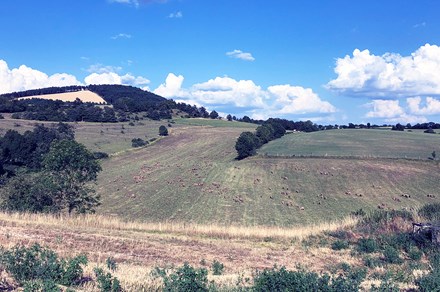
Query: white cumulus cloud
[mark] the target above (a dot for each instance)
(24, 78)
(390, 75)
(384, 109)
(172, 87)
(299, 100)
(221, 92)
(431, 107)
(113, 78)
(238, 54)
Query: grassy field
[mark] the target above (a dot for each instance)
(355, 142)
(192, 175)
(215, 123)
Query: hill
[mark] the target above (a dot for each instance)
(192, 175)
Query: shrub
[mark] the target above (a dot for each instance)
(138, 142)
(38, 263)
(399, 240)
(217, 268)
(415, 253)
(340, 244)
(41, 286)
(186, 278)
(430, 211)
(429, 282)
(163, 131)
(367, 245)
(371, 262)
(111, 264)
(106, 282)
(284, 280)
(100, 155)
(391, 255)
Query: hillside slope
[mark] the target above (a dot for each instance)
(192, 176)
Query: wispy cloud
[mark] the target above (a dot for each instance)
(177, 14)
(421, 24)
(238, 54)
(99, 68)
(121, 36)
(136, 3)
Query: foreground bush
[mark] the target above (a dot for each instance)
(430, 211)
(39, 266)
(284, 280)
(186, 278)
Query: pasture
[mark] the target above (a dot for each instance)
(368, 143)
(192, 175)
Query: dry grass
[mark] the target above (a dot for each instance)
(139, 247)
(83, 95)
(187, 229)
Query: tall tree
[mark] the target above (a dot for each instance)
(72, 167)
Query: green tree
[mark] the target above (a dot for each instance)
(163, 131)
(72, 167)
(246, 145)
(265, 133)
(229, 117)
(30, 192)
(213, 115)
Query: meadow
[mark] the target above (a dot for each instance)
(367, 143)
(192, 175)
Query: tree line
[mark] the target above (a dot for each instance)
(248, 142)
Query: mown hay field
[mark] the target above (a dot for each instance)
(368, 143)
(192, 176)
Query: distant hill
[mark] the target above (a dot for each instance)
(56, 104)
(110, 93)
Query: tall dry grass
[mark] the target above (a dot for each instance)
(177, 228)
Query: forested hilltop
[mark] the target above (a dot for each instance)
(122, 101)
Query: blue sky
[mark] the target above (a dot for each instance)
(331, 61)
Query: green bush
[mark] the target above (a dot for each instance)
(41, 286)
(38, 263)
(217, 268)
(391, 255)
(106, 282)
(415, 253)
(284, 280)
(371, 262)
(429, 282)
(379, 217)
(430, 211)
(163, 131)
(367, 245)
(138, 142)
(340, 244)
(111, 264)
(186, 278)
(398, 241)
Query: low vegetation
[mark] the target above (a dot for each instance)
(379, 254)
